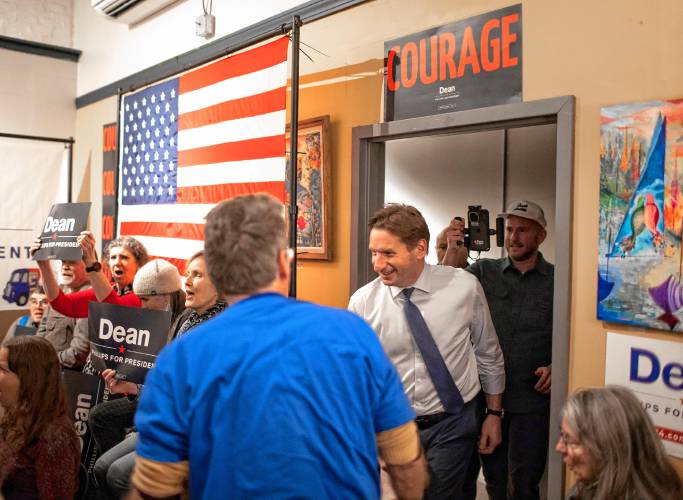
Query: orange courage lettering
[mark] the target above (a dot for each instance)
(487, 41)
(392, 84)
(409, 49)
(509, 39)
(468, 53)
(447, 56)
(107, 227)
(433, 53)
(108, 183)
(109, 139)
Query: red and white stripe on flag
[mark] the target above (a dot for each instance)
(230, 142)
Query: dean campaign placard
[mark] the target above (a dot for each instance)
(83, 393)
(58, 238)
(126, 339)
(466, 64)
(653, 370)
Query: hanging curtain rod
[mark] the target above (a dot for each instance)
(68, 140)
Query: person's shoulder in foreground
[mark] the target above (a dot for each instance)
(299, 392)
(297, 398)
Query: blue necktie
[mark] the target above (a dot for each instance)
(448, 392)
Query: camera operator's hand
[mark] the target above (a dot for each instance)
(455, 234)
(456, 253)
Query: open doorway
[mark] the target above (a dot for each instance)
(486, 157)
(444, 174)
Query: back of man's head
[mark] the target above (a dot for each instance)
(401, 220)
(243, 237)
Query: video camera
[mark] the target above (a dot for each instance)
(478, 233)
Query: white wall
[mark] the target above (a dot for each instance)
(531, 173)
(37, 95)
(45, 21)
(442, 175)
(113, 50)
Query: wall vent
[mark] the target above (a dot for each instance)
(129, 11)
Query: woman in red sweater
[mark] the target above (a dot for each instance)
(124, 255)
(39, 449)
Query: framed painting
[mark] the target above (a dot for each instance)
(640, 262)
(313, 173)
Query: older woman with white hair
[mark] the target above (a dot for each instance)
(611, 446)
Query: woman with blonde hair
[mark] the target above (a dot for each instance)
(39, 449)
(611, 446)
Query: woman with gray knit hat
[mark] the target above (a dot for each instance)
(158, 286)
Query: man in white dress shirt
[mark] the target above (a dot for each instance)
(435, 326)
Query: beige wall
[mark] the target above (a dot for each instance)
(606, 52)
(349, 102)
(114, 50)
(88, 156)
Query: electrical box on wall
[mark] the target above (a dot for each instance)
(205, 25)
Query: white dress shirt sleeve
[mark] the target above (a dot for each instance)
(486, 347)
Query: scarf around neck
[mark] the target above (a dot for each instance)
(194, 318)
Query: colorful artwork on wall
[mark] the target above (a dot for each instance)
(640, 263)
(313, 172)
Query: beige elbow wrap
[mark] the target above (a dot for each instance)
(400, 445)
(159, 479)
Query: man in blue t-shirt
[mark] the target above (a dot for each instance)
(274, 398)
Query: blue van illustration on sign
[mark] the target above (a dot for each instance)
(21, 281)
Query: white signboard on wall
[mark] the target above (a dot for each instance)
(34, 177)
(653, 370)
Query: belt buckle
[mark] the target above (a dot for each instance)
(426, 421)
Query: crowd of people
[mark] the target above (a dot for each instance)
(435, 372)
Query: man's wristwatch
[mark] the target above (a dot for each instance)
(497, 413)
(96, 267)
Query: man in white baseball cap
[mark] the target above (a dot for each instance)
(527, 210)
(519, 290)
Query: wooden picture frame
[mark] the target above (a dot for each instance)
(313, 189)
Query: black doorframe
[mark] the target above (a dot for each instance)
(367, 195)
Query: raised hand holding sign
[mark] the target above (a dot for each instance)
(62, 227)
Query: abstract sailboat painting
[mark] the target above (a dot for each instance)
(640, 262)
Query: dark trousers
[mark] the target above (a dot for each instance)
(516, 466)
(451, 451)
(110, 421)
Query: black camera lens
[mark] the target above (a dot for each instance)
(474, 217)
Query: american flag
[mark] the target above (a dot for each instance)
(188, 143)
